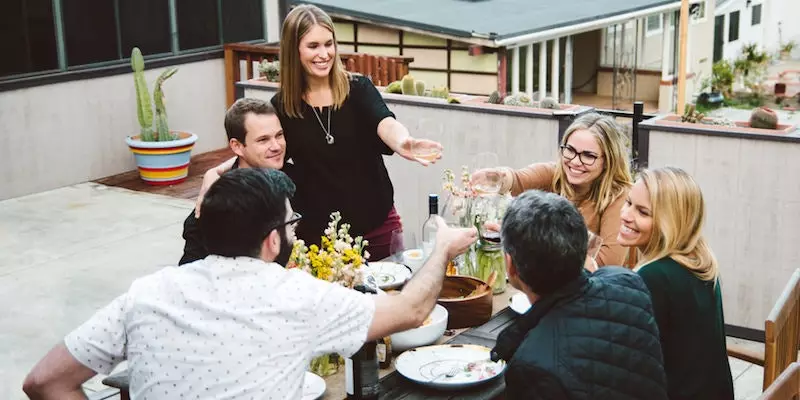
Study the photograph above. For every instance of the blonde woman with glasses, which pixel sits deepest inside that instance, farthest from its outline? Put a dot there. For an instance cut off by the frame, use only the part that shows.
(592, 171)
(663, 219)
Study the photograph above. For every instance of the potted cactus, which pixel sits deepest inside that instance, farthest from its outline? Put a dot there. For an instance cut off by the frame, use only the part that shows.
(162, 155)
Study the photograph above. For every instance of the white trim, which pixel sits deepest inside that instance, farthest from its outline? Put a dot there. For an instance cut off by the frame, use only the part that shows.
(587, 26)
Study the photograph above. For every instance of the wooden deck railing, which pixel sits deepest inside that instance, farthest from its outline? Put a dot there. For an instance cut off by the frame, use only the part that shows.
(382, 70)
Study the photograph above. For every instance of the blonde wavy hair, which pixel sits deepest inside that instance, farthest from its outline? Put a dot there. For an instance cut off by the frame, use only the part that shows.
(293, 76)
(678, 211)
(615, 178)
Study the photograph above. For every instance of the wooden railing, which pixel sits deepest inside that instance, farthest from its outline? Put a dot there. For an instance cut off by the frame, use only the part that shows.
(382, 70)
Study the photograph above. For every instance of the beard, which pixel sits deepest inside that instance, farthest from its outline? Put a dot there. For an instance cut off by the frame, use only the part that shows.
(286, 249)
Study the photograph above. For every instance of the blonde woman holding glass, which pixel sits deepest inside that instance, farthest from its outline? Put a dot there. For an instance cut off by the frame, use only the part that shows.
(593, 172)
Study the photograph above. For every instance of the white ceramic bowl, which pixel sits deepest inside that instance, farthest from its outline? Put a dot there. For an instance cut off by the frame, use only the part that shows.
(413, 258)
(424, 335)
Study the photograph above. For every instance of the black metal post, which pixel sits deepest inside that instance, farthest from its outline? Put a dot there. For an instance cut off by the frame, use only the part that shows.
(638, 116)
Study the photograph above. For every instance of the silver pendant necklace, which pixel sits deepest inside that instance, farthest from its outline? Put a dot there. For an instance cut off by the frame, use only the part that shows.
(328, 136)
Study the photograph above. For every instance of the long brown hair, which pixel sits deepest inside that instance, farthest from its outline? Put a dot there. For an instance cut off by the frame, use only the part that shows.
(678, 216)
(616, 175)
(293, 76)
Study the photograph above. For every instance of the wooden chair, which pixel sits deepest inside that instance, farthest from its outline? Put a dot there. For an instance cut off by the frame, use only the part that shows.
(786, 387)
(781, 334)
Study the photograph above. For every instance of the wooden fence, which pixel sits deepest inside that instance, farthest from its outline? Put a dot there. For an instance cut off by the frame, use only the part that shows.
(382, 70)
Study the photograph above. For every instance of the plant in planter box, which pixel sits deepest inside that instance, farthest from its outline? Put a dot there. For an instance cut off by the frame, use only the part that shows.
(786, 49)
(764, 118)
(162, 155)
(270, 70)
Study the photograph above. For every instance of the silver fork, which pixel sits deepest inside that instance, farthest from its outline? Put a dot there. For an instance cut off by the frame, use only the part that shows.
(448, 374)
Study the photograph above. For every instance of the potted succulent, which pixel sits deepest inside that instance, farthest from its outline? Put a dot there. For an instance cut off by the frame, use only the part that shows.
(162, 155)
(786, 49)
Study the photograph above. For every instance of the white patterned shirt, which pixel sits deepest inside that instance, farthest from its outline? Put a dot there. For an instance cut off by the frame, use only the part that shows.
(222, 328)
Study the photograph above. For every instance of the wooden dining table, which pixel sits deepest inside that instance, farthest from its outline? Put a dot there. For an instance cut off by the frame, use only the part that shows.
(395, 386)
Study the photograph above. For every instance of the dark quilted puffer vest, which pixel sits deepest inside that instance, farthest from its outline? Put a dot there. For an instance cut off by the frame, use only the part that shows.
(595, 338)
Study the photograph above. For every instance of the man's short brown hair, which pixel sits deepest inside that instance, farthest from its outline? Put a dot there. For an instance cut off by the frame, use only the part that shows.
(234, 117)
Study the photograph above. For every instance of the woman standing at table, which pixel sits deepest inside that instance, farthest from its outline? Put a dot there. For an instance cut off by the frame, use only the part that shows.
(592, 171)
(663, 219)
(337, 129)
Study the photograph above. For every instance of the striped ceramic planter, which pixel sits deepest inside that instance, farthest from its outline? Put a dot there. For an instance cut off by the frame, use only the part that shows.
(163, 163)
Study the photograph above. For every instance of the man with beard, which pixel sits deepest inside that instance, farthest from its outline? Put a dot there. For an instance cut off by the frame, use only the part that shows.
(236, 324)
(256, 137)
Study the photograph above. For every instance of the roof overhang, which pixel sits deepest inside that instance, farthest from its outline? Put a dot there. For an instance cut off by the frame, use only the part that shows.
(475, 39)
(574, 29)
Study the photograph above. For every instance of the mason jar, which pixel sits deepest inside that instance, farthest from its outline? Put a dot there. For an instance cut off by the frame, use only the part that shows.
(488, 258)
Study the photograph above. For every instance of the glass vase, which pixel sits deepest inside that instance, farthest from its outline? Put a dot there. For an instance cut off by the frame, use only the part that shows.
(326, 365)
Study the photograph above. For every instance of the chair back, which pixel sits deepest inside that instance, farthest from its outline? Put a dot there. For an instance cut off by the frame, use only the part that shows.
(786, 387)
(782, 331)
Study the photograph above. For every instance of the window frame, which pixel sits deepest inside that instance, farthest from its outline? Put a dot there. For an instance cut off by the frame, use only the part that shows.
(176, 56)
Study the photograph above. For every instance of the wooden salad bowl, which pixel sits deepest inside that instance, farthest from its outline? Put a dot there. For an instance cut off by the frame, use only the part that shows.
(468, 301)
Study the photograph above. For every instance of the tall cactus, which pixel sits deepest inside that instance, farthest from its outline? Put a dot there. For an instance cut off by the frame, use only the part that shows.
(144, 105)
(162, 127)
(144, 108)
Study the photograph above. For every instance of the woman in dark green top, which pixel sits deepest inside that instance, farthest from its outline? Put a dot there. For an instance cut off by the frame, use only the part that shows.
(663, 218)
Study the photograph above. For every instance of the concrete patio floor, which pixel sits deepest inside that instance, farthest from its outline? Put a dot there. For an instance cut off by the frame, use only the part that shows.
(67, 252)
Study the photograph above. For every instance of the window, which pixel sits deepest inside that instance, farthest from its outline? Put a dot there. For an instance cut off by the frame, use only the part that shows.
(733, 27)
(755, 18)
(144, 24)
(105, 31)
(198, 25)
(242, 20)
(697, 11)
(90, 31)
(654, 23)
(26, 23)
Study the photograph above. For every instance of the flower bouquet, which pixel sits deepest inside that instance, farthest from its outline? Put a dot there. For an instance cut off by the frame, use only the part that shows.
(337, 259)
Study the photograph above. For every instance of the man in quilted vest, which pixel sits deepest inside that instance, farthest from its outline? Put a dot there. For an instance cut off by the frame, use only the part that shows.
(587, 336)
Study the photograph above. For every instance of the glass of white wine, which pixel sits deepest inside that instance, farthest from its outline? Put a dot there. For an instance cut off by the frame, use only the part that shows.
(425, 150)
(489, 180)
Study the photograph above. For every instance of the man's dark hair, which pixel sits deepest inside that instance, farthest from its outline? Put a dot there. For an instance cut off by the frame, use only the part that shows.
(235, 116)
(241, 208)
(547, 239)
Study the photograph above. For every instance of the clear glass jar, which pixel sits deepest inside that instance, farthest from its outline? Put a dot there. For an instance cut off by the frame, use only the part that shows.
(488, 258)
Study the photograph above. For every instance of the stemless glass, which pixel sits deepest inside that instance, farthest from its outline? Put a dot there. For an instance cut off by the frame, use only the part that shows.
(487, 182)
(426, 151)
(595, 242)
(396, 245)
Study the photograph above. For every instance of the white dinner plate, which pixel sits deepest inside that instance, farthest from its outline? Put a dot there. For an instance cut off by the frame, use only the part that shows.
(313, 386)
(388, 275)
(519, 303)
(429, 365)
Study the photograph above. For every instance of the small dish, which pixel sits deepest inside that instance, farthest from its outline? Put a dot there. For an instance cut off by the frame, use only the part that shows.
(450, 366)
(388, 275)
(424, 335)
(313, 387)
(519, 303)
(414, 259)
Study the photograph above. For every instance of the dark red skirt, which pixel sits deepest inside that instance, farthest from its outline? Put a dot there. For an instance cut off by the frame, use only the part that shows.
(380, 239)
